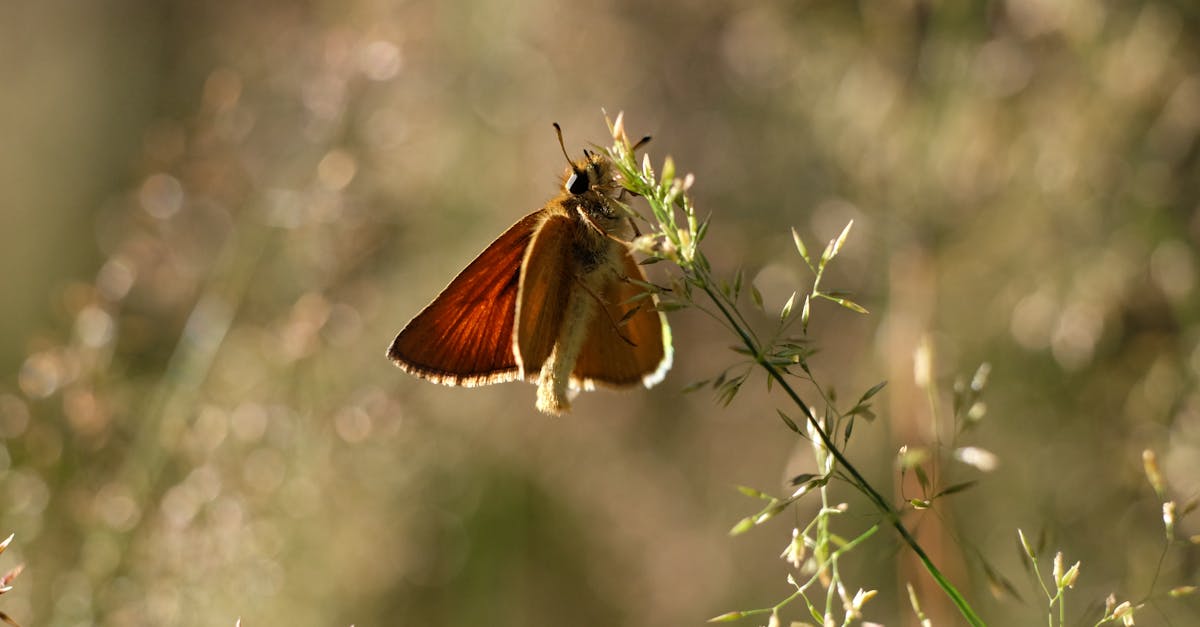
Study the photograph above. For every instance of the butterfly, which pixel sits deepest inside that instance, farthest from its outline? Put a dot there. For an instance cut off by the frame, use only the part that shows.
(556, 300)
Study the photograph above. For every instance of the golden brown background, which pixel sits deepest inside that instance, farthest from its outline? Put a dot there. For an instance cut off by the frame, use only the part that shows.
(215, 215)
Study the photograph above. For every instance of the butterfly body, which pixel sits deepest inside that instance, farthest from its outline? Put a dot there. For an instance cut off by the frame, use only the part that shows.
(552, 301)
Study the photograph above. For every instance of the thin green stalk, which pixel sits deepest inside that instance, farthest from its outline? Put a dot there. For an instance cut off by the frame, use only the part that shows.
(823, 533)
(1041, 582)
(880, 502)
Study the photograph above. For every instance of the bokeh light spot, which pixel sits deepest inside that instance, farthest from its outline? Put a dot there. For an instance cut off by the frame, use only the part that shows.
(353, 424)
(336, 169)
(179, 506)
(249, 422)
(85, 413)
(14, 416)
(25, 492)
(344, 325)
(116, 507)
(41, 375)
(94, 327)
(161, 195)
(1032, 320)
(115, 278)
(1075, 335)
(381, 60)
(210, 428)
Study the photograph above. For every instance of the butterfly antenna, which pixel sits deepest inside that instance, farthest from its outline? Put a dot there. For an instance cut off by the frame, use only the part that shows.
(642, 142)
(561, 146)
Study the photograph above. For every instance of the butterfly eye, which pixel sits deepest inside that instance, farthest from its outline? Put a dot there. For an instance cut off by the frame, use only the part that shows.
(578, 183)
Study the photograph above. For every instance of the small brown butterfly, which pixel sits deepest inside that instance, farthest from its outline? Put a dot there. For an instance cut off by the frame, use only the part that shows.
(555, 301)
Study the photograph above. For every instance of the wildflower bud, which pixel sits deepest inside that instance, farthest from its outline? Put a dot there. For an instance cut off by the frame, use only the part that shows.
(979, 458)
(796, 551)
(910, 458)
(979, 381)
(668, 171)
(823, 459)
(676, 188)
(7, 579)
(1025, 544)
(1153, 474)
(861, 597)
(618, 130)
(1168, 510)
(1182, 591)
(1071, 575)
(685, 238)
(669, 250)
(645, 244)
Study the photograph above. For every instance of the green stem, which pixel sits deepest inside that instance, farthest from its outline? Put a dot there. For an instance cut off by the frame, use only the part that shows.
(879, 501)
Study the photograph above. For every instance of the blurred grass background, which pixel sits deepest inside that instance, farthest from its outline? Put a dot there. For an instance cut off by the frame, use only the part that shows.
(215, 216)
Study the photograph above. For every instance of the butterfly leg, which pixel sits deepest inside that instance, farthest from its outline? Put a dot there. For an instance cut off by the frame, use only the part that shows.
(616, 324)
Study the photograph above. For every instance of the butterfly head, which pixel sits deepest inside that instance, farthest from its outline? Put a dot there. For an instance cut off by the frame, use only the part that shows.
(593, 173)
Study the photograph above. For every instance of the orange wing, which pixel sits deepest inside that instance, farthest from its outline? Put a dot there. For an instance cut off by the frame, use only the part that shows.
(465, 336)
(545, 288)
(607, 357)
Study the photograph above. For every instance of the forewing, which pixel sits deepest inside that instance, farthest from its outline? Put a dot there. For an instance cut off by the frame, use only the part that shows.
(465, 336)
(624, 348)
(545, 287)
